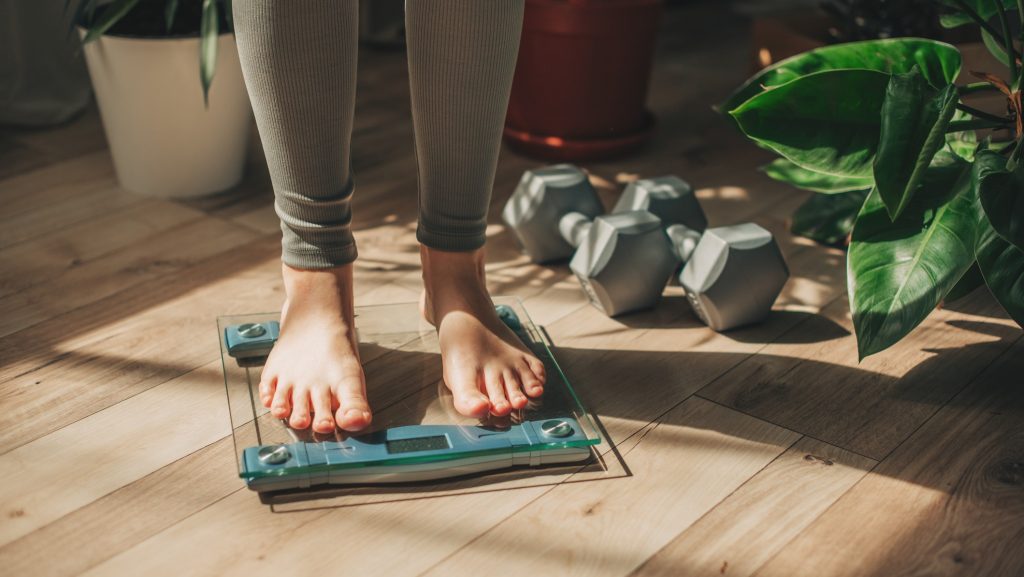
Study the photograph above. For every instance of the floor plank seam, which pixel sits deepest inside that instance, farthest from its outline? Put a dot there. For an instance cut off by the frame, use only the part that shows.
(967, 384)
(716, 505)
(115, 295)
(113, 491)
(810, 524)
(9, 449)
(172, 525)
(788, 428)
(878, 463)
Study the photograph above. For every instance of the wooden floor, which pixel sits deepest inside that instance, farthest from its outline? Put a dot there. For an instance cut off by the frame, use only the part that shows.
(766, 451)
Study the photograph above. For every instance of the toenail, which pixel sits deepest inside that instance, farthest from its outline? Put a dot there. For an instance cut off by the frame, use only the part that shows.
(355, 414)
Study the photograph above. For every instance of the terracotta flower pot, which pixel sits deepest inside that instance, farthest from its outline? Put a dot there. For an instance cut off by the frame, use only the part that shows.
(581, 80)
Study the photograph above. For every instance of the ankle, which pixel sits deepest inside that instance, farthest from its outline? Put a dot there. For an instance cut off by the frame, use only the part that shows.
(442, 269)
(330, 290)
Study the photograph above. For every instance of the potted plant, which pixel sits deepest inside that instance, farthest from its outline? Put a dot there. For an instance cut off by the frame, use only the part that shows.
(885, 118)
(173, 132)
(581, 79)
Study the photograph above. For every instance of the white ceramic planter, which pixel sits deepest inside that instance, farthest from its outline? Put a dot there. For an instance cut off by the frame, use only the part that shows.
(164, 141)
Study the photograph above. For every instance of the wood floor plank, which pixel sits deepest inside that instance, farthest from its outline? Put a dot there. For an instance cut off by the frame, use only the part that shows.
(45, 479)
(167, 252)
(156, 338)
(44, 200)
(949, 501)
(127, 516)
(81, 135)
(819, 388)
(30, 263)
(691, 459)
(746, 529)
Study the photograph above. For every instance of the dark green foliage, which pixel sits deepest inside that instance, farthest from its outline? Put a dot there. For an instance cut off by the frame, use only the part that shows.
(945, 213)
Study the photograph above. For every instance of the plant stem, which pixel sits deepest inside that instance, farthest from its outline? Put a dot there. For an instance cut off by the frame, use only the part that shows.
(1006, 148)
(982, 114)
(977, 18)
(1015, 156)
(975, 124)
(1011, 51)
(1020, 19)
(976, 86)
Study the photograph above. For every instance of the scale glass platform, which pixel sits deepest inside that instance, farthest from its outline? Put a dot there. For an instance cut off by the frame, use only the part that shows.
(416, 434)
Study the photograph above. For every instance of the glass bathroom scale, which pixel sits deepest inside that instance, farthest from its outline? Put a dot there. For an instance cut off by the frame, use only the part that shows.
(416, 435)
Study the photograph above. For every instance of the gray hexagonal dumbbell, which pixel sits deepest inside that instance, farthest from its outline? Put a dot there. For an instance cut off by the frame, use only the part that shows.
(542, 199)
(669, 197)
(623, 261)
(732, 275)
(551, 207)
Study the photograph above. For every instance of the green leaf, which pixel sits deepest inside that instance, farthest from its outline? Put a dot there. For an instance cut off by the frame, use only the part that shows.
(827, 122)
(1002, 265)
(985, 8)
(963, 143)
(170, 9)
(967, 284)
(78, 16)
(914, 121)
(784, 170)
(110, 16)
(1002, 195)
(939, 62)
(897, 272)
(828, 218)
(994, 46)
(209, 32)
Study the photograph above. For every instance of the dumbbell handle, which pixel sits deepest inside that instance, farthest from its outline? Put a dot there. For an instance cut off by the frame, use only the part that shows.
(574, 227)
(684, 240)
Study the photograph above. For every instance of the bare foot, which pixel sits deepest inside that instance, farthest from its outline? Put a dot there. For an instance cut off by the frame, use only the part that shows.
(486, 366)
(313, 375)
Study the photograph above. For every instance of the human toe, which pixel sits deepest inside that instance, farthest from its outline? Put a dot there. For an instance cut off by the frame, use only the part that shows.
(469, 401)
(513, 389)
(300, 410)
(496, 393)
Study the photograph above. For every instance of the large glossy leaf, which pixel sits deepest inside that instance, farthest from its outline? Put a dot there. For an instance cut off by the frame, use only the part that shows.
(897, 272)
(784, 170)
(827, 122)
(209, 32)
(939, 62)
(914, 121)
(1002, 265)
(1002, 195)
(828, 218)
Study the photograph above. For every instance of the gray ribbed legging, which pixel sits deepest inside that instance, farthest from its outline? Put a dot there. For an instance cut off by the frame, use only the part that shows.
(299, 62)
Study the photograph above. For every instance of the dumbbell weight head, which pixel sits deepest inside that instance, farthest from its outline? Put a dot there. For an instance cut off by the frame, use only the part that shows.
(540, 200)
(732, 275)
(624, 262)
(670, 198)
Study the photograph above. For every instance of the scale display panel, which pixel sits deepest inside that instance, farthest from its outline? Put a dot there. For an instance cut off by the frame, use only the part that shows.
(416, 434)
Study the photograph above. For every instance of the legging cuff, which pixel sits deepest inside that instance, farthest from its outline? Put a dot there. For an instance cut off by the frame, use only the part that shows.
(448, 241)
(320, 259)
